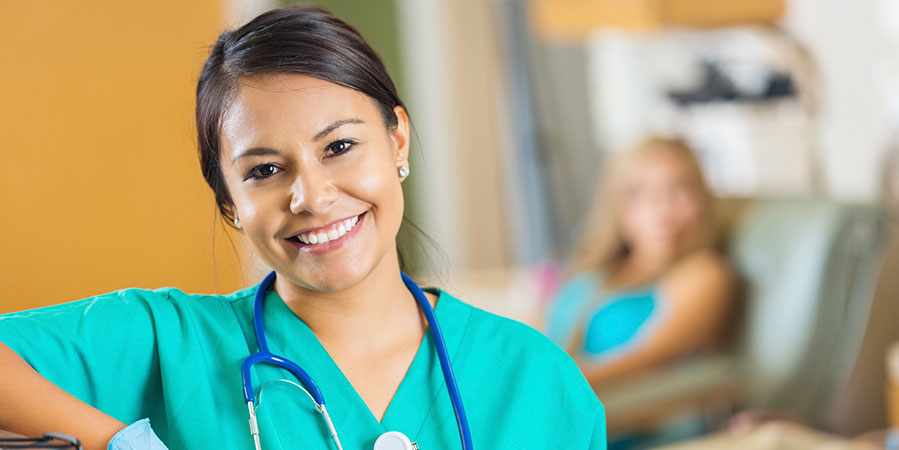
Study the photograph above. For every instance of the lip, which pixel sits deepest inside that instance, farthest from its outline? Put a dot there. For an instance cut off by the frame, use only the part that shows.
(327, 225)
(331, 245)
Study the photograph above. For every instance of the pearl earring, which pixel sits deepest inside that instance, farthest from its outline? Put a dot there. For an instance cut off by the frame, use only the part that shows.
(237, 223)
(403, 171)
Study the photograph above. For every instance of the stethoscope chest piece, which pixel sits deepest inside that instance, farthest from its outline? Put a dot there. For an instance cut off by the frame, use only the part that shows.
(394, 440)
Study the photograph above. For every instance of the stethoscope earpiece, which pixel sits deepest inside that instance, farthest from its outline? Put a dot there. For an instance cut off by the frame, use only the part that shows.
(394, 440)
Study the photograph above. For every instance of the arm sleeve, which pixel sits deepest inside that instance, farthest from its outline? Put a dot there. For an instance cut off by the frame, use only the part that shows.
(600, 438)
(101, 349)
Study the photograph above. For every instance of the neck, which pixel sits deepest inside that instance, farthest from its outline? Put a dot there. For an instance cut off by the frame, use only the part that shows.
(652, 257)
(352, 322)
(642, 264)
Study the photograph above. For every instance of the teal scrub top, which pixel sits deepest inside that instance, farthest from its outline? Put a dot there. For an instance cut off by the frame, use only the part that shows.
(176, 357)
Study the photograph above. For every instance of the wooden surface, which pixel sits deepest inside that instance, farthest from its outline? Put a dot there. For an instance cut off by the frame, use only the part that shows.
(575, 19)
(101, 185)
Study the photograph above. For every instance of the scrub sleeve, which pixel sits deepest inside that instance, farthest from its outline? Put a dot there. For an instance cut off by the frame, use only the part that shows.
(102, 350)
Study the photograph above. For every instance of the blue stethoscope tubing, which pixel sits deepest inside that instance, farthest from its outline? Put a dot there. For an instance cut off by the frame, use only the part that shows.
(266, 356)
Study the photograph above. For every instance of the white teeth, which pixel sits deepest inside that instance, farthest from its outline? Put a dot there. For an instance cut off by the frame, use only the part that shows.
(322, 237)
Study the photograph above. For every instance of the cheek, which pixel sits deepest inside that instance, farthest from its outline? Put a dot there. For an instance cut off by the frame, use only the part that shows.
(247, 210)
(639, 213)
(633, 220)
(255, 209)
(378, 183)
(244, 206)
(375, 182)
(689, 211)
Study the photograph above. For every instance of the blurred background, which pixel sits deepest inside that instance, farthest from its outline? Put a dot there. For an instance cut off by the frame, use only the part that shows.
(791, 108)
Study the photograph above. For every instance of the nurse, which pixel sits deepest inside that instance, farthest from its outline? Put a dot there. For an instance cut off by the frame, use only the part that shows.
(305, 144)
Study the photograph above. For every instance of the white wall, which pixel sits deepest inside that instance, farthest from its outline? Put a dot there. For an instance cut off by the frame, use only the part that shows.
(239, 12)
(450, 59)
(847, 40)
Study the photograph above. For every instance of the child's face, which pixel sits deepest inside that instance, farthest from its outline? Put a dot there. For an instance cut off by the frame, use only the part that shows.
(661, 202)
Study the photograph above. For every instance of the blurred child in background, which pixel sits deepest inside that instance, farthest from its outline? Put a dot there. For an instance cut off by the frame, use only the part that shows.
(645, 284)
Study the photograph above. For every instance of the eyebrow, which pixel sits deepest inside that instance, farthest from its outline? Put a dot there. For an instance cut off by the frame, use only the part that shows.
(255, 151)
(328, 129)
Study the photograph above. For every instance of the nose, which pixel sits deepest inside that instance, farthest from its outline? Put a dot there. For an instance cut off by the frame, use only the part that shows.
(313, 191)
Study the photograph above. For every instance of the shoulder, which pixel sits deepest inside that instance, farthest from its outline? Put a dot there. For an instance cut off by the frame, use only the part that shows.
(175, 304)
(504, 332)
(706, 270)
(109, 302)
(133, 303)
(704, 262)
(702, 290)
(501, 341)
(568, 304)
(171, 297)
(524, 368)
(175, 295)
(579, 285)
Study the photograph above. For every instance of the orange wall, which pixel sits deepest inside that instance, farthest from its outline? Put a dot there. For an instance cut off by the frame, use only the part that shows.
(100, 187)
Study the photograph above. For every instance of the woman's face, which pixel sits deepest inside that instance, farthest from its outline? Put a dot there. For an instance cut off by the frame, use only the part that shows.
(661, 202)
(312, 171)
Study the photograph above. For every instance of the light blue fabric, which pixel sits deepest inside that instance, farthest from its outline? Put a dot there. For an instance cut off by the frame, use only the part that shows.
(611, 322)
(618, 323)
(137, 436)
(569, 305)
(892, 440)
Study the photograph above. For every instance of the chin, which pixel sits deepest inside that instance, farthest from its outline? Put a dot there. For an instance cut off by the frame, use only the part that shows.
(334, 284)
(331, 279)
(661, 240)
(345, 269)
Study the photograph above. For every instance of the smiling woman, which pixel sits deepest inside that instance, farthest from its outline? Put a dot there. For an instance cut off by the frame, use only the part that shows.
(305, 144)
(330, 158)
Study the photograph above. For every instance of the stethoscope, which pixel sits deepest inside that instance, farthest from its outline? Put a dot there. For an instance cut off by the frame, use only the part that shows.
(391, 440)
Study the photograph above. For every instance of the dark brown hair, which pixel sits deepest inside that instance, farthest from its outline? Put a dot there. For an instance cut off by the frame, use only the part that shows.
(302, 39)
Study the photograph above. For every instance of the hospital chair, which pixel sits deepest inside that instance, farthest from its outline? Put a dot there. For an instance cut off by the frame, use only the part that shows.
(821, 302)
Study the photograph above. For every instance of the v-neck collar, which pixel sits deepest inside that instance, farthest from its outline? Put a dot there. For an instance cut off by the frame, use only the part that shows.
(418, 394)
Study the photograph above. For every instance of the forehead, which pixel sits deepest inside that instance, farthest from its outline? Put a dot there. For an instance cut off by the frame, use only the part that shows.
(663, 163)
(265, 107)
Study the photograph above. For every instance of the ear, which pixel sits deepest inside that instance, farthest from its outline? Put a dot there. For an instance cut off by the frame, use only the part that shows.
(230, 211)
(399, 136)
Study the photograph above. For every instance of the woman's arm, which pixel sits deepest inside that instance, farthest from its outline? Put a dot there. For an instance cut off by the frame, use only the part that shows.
(698, 294)
(31, 405)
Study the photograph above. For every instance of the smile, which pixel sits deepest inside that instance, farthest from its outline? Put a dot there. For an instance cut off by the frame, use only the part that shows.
(328, 236)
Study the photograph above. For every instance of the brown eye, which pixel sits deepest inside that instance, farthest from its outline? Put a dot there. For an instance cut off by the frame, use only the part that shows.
(340, 147)
(262, 172)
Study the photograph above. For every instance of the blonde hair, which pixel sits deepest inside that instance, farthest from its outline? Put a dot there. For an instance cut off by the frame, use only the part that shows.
(601, 247)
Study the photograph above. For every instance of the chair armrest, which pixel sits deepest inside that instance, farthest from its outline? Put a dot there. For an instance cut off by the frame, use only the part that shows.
(701, 384)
